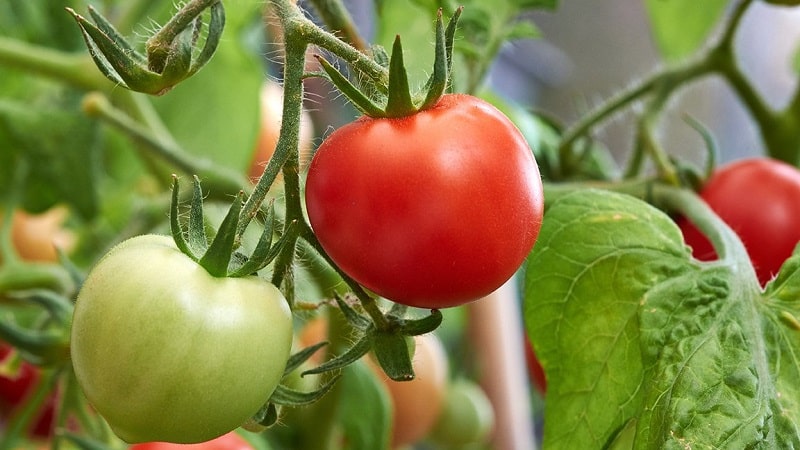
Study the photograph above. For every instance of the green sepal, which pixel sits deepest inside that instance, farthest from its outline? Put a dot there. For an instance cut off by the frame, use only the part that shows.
(218, 256)
(359, 100)
(297, 359)
(266, 417)
(392, 353)
(399, 102)
(198, 240)
(179, 59)
(111, 58)
(174, 223)
(354, 318)
(286, 396)
(264, 253)
(439, 79)
(215, 26)
(109, 30)
(424, 325)
(166, 63)
(351, 355)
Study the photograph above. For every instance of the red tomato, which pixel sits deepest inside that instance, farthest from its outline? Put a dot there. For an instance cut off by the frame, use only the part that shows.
(16, 386)
(230, 441)
(431, 210)
(760, 200)
(535, 369)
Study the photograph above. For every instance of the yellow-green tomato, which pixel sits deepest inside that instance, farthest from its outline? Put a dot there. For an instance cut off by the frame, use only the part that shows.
(467, 416)
(166, 352)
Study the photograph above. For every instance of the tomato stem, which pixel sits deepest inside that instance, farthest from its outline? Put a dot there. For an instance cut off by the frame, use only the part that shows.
(225, 181)
(719, 59)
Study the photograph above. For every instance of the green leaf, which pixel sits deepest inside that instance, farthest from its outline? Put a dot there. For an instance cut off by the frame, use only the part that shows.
(629, 327)
(367, 397)
(680, 27)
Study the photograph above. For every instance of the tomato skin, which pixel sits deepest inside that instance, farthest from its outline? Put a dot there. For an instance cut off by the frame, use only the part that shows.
(758, 199)
(467, 416)
(154, 336)
(431, 210)
(229, 441)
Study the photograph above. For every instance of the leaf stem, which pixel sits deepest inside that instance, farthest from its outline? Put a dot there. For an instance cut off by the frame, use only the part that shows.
(224, 182)
(719, 58)
(74, 69)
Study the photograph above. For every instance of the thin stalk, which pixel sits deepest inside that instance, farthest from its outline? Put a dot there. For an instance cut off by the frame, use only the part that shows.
(77, 70)
(718, 59)
(224, 182)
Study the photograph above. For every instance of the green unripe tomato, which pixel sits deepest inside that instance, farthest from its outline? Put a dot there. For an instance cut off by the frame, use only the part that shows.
(466, 418)
(166, 352)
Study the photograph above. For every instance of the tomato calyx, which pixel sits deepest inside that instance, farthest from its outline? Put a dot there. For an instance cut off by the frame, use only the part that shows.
(218, 255)
(396, 99)
(390, 345)
(170, 53)
(287, 396)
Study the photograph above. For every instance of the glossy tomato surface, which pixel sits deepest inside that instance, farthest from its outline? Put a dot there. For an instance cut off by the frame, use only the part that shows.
(166, 352)
(759, 199)
(230, 441)
(432, 210)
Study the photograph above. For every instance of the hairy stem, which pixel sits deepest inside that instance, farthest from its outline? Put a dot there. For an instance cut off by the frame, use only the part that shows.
(159, 45)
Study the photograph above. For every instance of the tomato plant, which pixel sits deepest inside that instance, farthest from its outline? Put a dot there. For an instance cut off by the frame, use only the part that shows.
(420, 198)
(229, 441)
(155, 336)
(431, 210)
(758, 198)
